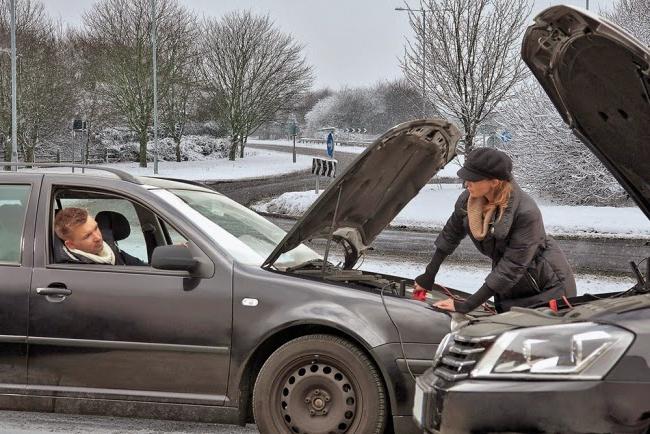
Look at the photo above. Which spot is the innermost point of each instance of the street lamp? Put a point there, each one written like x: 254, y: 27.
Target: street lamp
x: 424, y: 81
x: 155, y: 87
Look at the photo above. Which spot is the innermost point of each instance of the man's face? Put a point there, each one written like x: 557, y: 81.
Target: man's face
x: 86, y: 237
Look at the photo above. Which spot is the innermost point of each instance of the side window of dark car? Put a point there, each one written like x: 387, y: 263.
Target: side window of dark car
x: 140, y: 229
x: 13, y: 207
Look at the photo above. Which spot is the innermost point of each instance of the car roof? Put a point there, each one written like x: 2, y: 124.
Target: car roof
x: 103, y: 173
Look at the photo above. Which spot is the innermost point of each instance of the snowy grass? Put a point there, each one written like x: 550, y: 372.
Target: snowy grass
x: 431, y: 208
x: 256, y: 164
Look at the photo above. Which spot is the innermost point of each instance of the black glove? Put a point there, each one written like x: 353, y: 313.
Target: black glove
x: 475, y: 300
x: 427, y: 279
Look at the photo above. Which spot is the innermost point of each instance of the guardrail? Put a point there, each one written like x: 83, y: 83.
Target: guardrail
x: 64, y: 156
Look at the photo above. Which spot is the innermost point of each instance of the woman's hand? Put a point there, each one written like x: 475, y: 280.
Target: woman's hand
x: 419, y: 293
x: 447, y: 304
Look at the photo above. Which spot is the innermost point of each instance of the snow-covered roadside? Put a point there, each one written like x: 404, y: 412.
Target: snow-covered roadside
x: 349, y: 149
x: 256, y: 164
x: 470, y: 278
x: 431, y: 208
x: 449, y: 171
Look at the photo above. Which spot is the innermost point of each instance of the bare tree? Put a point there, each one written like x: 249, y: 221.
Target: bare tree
x: 634, y: 16
x: 471, y: 56
x: 179, y: 101
x: 253, y: 71
x: 119, y: 39
x: 549, y: 159
x: 376, y: 108
x: 44, y: 86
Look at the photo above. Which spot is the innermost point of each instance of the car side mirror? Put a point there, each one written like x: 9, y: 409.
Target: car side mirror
x: 174, y: 257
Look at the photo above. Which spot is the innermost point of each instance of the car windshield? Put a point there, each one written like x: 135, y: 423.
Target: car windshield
x: 244, y: 234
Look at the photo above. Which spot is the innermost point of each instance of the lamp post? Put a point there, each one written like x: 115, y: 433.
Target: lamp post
x: 424, y: 57
x: 14, y: 118
x: 155, y: 87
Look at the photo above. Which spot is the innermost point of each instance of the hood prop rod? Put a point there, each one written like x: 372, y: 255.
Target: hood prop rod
x: 331, y: 234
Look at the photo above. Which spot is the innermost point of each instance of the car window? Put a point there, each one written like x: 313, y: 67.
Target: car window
x: 134, y: 244
x: 13, y: 207
x: 146, y: 230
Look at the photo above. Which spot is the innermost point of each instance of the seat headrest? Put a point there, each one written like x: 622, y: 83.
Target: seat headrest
x: 113, y: 225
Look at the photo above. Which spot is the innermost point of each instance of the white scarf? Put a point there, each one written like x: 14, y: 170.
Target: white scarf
x: 106, y: 256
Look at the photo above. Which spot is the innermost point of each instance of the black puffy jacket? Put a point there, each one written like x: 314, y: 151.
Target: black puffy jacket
x: 528, y: 266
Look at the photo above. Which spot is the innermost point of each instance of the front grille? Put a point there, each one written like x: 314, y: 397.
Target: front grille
x: 460, y: 356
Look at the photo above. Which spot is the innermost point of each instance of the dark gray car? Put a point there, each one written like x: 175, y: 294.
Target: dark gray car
x: 583, y: 365
x: 230, y: 317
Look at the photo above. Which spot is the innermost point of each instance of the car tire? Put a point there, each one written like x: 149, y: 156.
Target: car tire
x: 319, y: 384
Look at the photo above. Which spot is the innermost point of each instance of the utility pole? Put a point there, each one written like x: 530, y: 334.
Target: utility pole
x: 424, y: 61
x: 424, y: 56
x: 14, y: 115
x: 155, y: 87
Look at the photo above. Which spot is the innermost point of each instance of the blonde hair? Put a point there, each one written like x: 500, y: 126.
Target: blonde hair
x: 502, y: 193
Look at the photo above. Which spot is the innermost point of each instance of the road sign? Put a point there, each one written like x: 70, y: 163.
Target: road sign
x: 323, y: 167
x: 330, y: 145
x: 505, y: 136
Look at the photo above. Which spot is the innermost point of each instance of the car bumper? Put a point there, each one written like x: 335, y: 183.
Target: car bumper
x: 530, y: 406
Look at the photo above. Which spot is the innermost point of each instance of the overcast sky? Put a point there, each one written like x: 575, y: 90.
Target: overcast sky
x: 349, y: 42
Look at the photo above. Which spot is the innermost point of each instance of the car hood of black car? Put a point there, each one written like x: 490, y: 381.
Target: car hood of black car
x: 598, y: 77
x: 361, y: 202
x: 522, y: 317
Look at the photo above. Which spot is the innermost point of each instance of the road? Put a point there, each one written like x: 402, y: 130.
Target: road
x: 590, y: 255
x: 37, y: 423
x: 249, y: 191
x: 586, y: 255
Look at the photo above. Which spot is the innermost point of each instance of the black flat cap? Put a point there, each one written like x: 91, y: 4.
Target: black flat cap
x: 486, y: 163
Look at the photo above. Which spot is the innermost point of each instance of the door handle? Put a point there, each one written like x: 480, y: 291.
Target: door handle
x: 53, y: 291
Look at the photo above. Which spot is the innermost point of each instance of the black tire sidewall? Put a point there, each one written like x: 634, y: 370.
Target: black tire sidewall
x: 371, y: 402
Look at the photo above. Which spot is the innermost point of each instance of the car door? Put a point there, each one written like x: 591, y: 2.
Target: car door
x: 127, y: 332
x: 18, y: 201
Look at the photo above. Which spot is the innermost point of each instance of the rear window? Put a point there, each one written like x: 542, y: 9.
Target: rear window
x: 13, y: 206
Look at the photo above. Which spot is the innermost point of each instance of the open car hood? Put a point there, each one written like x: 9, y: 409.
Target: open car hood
x: 375, y: 187
x: 598, y: 77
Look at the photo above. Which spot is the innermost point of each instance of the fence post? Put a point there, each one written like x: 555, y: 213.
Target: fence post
x: 58, y: 155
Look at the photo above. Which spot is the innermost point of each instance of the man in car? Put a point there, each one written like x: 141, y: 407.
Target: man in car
x: 83, y: 241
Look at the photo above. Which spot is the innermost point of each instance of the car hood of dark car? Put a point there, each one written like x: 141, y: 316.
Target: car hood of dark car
x: 598, y: 77
x: 375, y: 187
x: 597, y: 311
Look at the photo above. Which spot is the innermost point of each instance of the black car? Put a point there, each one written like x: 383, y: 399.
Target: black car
x: 229, y: 317
x: 581, y: 365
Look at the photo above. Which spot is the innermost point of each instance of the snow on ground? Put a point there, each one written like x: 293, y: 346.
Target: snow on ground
x: 348, y: 149
x: 449, y: 171
x: 434, y: 204
x: 256, y: 164
x: 470, y: 278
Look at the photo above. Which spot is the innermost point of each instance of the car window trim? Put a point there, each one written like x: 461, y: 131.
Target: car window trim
x: 123, y: 269
x: 50, y: 232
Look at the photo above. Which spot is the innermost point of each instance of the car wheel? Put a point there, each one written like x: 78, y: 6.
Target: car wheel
x: 319, y: 384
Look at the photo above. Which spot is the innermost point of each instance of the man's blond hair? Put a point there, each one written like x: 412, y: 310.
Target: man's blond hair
x: 67, y: 220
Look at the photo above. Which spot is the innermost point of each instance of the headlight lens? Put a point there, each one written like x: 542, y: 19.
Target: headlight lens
x: 584, y: 351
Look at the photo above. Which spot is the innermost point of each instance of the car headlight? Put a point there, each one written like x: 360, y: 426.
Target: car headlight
x: 580, y: 351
